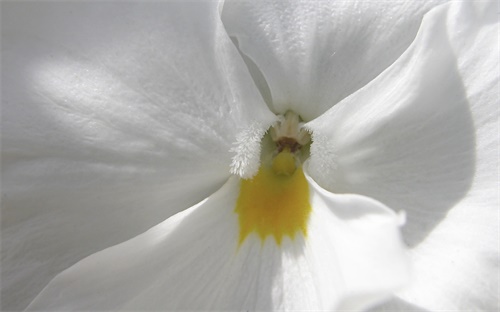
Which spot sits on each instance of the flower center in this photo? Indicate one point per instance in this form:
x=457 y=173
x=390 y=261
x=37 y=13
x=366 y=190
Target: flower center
x=276 y=201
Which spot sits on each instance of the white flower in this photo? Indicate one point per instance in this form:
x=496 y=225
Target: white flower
x=118 y=117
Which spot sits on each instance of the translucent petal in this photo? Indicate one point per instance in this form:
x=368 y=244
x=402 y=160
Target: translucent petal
x=352 y=257
x=312 y=54
x=423 y=137
x=115 y=116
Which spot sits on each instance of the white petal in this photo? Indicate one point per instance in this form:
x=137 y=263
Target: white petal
x=423 y=137
x=352 y=257
x=115 y=116
x=356 y=245
x=315 y=53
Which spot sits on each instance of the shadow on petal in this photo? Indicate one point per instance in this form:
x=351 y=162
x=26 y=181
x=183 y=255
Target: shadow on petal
x=398 y=305
x=407 y=139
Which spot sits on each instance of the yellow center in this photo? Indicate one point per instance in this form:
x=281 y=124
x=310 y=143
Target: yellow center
x=275 y=202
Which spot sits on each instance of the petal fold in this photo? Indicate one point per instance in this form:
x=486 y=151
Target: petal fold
x=312 y=54
x=352 y=258
x=423 y=137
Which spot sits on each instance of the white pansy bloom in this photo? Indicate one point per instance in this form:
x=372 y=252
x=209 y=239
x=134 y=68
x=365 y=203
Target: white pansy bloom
x=250 y=155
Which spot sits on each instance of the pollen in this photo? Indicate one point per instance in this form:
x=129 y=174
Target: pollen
x=275 y=202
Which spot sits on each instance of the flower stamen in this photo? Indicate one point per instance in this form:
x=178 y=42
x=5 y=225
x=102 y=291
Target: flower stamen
x=288 y=132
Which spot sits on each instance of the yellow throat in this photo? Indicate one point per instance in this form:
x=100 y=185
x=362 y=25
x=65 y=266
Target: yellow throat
x=275 y=202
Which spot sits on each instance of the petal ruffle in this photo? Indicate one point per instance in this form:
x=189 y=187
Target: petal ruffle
x=312 y=54
x=351 y=258
x=423 y=137
x=356 y=250
x=114 y=116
